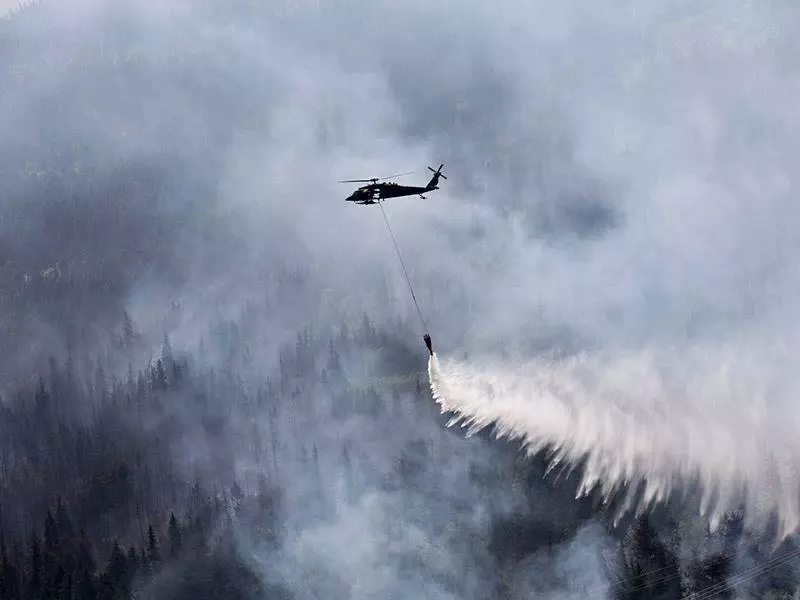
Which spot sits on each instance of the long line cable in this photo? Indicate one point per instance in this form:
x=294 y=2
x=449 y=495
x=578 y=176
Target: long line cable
x=747 y=575
x=403 y=265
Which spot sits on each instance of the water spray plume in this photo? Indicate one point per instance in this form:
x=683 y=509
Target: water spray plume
x=646 y=426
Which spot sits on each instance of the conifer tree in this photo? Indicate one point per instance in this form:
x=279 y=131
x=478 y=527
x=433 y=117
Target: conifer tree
x=175 y=538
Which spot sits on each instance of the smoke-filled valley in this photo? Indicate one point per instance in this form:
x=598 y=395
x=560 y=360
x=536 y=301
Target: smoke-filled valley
x=212 y=375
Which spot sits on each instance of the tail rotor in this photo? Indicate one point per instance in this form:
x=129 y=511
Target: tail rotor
x=438 y=171
x=433 y=184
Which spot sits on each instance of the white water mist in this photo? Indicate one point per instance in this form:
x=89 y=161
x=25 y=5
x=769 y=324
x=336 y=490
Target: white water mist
x=660 y=420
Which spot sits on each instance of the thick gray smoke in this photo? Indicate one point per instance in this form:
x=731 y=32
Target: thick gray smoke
x=682 y=313
x=621 y=190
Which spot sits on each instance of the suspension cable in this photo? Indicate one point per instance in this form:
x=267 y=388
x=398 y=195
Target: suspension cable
x=402 y=264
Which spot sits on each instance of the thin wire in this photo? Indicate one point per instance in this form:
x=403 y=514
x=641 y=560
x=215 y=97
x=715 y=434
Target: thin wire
x=746 y=575
x=402 y=264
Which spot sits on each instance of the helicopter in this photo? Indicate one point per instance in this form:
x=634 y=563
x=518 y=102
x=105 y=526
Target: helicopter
x=375 y=192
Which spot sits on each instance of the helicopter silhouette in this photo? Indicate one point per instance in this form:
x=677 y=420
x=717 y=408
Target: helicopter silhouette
x=375 y=192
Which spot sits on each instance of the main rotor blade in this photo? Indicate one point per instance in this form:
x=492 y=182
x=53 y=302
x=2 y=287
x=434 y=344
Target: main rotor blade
x=398 y=175
x=375 y=178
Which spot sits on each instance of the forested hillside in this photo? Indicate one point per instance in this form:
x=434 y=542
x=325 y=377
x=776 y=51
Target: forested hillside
x=183 y=480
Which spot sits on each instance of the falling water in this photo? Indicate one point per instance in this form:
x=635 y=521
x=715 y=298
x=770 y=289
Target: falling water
x=656 y=421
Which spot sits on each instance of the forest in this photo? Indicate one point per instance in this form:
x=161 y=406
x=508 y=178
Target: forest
x=98 y=506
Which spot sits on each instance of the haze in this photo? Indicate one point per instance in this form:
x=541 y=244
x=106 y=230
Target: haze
x=621 y=188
